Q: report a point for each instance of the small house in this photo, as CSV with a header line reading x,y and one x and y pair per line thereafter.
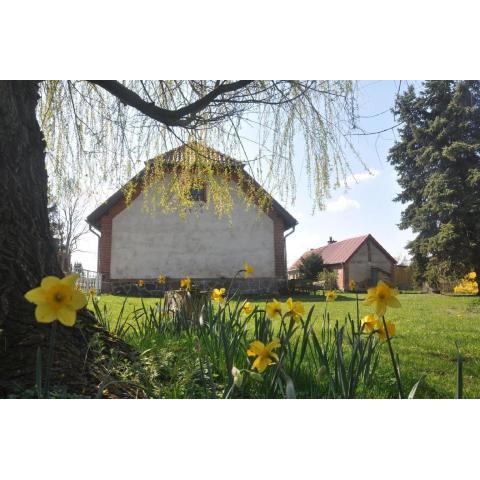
x,y
361,259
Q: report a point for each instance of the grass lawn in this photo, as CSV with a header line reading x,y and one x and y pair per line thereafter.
x,y
428,326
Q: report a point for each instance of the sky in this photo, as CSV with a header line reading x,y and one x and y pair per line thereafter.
x,y
367,206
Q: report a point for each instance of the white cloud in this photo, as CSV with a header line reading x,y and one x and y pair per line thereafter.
x,y
361,177
341,204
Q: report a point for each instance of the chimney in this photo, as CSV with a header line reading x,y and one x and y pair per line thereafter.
x,y
331,240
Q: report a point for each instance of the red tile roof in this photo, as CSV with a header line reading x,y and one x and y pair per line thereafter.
x,y
338,252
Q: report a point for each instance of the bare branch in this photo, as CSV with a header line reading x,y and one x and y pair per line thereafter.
x,y
171,118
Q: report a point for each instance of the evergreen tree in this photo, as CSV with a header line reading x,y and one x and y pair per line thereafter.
x,y
311,266
438,163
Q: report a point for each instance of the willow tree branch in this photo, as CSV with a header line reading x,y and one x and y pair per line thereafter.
x,y
172,118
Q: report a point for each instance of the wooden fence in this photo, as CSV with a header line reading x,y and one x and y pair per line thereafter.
x,y
402,277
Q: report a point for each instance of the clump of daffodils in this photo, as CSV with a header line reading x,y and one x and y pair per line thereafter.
x,y
186,283
371,324
247,309
295,309
217,295
57,299
274,309
468,284
382,333
247,270
331,296
264,353
381,297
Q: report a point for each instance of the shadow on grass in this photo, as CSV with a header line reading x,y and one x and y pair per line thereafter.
x,y
301,298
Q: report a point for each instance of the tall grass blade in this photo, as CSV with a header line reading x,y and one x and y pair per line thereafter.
x,y
459,392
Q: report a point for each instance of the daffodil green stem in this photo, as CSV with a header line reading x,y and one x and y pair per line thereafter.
x,y
231,282
358,311
38,374
51,349
394,363
230,391
324,320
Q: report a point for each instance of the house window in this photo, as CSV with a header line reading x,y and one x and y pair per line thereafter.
x,y
198,194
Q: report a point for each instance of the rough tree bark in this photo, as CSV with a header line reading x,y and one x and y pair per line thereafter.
x,y
27,254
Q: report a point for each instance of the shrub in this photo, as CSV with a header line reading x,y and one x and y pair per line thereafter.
x,y
468,285
329,279
311,266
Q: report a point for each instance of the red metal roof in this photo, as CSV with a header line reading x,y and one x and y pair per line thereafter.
x,y
338,252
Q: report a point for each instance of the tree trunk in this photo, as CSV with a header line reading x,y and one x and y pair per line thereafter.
x,y
27,254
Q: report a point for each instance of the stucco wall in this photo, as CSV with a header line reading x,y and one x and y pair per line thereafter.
x,y
145,245
359,267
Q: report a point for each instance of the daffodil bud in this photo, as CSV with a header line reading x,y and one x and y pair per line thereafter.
x,y
256,376
237,377
322,371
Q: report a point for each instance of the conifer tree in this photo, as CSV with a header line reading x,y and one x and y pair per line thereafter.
x,y
438,163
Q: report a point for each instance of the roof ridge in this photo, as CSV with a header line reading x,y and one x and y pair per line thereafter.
x,y
94,217
336,252
344,240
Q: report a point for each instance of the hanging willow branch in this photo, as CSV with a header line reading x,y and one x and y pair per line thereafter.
x,y
102,132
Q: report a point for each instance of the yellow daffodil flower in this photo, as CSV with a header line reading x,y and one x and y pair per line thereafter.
x,y
331,296
57,300
382,296
264,354
186,283
248,270
141,283
295,309
247,308
274,309
369,323
217,295
472,276
92,292
162,279
352,284
381,329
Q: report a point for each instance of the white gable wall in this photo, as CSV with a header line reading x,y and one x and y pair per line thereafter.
x,y
145,245
359,267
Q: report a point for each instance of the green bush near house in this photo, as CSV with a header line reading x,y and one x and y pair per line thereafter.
x,y
310,266
328,279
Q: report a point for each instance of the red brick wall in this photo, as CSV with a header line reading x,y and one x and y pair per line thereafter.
x,y
105,244
340,277
279,245
345,278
